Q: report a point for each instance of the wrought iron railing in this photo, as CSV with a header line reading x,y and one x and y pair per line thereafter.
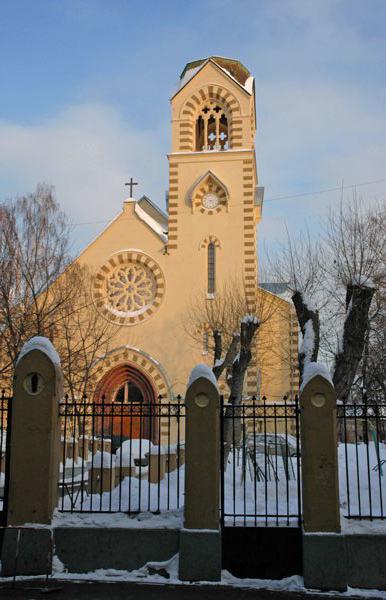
x,y
362,459
260,463
118,457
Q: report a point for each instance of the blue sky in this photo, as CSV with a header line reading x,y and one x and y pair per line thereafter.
x,y
85,88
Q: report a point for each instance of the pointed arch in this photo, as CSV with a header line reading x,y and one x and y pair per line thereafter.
x,y
208,240
139,359
208,183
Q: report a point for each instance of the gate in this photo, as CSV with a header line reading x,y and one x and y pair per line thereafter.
x,y
261,489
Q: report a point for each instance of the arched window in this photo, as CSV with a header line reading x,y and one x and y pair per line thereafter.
x,y
212,128
211,268
128,393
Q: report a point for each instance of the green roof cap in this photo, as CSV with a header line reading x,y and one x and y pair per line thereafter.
x,y
235,67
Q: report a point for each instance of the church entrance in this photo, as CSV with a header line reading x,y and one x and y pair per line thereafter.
x,y
129,400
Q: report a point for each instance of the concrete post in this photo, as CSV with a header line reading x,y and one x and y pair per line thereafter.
x,y
34,457
200,542
323,555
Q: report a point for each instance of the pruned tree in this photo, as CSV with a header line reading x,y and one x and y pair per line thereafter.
x,y
231,320
298,264
356,242
333,282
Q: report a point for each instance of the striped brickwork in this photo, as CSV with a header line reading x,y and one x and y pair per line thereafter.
x,y
100,286
191,108
140,361
173,206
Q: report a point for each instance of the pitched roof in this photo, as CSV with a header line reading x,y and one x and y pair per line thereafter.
x,y
230,67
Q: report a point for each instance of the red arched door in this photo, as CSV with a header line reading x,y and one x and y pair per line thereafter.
x,y
130,398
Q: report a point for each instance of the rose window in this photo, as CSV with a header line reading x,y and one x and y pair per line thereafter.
x,y
128,288
131,289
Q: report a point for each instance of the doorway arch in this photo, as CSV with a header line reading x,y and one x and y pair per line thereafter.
x,y
130,397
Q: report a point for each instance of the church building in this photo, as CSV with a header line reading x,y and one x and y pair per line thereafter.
x,y
149,264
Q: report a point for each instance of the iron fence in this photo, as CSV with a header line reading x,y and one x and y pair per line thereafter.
x,y
260,480
121,457
362,459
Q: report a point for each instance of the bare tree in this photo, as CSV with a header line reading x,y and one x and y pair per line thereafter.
x,y
34,251
231,322
356,242
298,264
81,334
333,282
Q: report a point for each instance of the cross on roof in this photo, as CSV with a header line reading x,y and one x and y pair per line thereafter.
x,y
131,184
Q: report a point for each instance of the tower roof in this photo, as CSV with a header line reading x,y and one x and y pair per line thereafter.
x,y
234,67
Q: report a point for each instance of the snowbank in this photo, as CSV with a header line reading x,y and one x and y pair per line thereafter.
x,y
202,370
44,345
131,450
103,460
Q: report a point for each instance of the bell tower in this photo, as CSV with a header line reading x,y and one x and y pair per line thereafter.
x,y
214,203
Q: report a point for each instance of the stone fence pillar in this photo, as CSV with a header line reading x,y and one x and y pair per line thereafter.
x,y
200,542
323,546
34,458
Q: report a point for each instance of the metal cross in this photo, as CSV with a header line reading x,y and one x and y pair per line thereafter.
x,y
131,184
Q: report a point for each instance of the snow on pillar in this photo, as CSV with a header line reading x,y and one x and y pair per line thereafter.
x,y
200,541
320,486
35,434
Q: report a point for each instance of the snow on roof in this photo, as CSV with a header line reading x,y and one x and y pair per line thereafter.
x,y
149,207
275,287
44,345
311,370
204,371
152,223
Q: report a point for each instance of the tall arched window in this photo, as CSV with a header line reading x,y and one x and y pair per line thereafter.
x,y
211,268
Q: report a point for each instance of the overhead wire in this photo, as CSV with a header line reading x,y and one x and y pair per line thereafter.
x,y
275,198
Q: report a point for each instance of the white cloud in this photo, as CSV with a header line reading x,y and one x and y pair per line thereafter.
x,y
87,152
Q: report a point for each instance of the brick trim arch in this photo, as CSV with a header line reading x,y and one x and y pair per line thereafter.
x,y
189,111
100,284
209,239
138,360
208,183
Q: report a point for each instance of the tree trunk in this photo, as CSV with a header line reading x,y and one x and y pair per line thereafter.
x,y
358,301
309,324
235,380
220,365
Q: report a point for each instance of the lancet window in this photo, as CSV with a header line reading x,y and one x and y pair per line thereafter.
x,y
212,128
211,268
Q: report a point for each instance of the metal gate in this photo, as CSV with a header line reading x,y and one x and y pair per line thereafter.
x,y
261,489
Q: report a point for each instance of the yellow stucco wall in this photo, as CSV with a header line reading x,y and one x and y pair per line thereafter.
x,y
160,344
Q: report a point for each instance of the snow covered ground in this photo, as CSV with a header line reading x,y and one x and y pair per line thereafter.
x,y
363,484
271,496
167,573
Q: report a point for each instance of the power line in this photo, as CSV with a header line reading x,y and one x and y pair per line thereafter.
x,y
326,190
289,197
